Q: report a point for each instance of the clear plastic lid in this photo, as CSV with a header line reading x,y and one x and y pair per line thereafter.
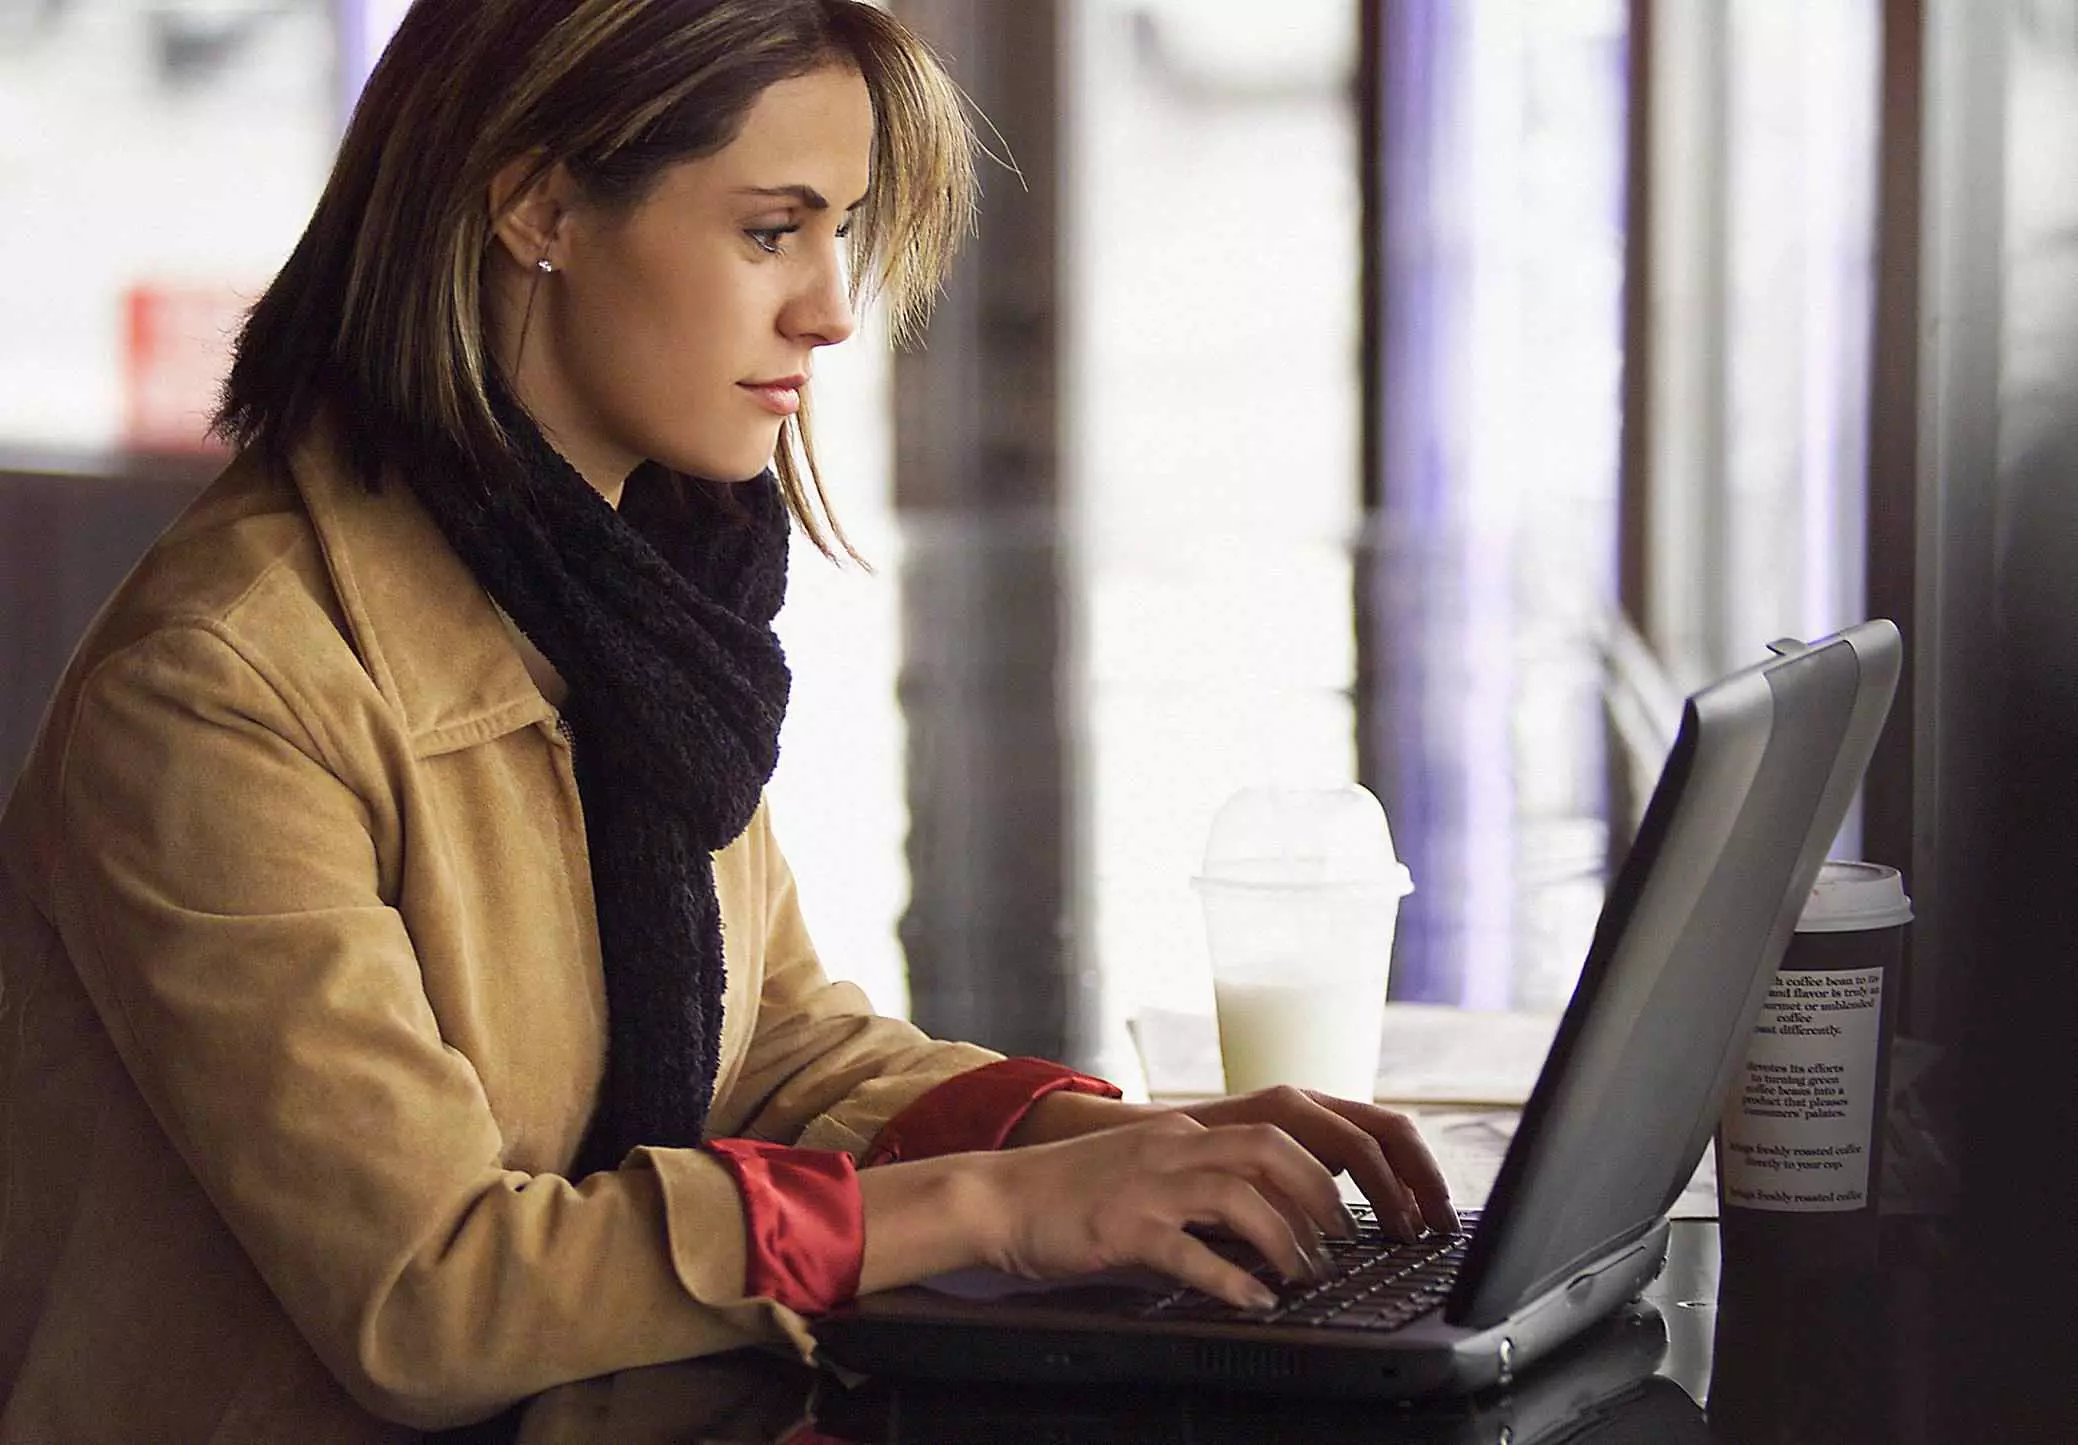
x,y
1303,837
1851,897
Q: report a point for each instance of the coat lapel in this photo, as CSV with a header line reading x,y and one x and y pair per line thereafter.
x,y
421,623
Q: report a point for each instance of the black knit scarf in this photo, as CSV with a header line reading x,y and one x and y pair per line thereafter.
x,y
659,617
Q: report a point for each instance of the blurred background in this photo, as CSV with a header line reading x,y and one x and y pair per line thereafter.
x,y
1422,391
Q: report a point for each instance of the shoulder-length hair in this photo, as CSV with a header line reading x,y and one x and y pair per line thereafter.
x,y
378,316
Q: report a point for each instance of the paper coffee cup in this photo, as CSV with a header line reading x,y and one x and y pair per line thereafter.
x,y
1801,1138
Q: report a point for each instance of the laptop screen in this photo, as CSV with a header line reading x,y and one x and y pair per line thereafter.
x,y
1755,789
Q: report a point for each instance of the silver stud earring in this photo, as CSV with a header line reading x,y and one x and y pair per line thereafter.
x,y
547,266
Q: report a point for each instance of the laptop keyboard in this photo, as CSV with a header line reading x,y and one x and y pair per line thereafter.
x,y
1374,1282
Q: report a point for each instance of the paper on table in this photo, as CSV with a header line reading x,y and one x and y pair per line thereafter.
x,y
1469,1143
1431,1054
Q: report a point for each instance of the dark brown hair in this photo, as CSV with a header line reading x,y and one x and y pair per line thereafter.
x,y
378,315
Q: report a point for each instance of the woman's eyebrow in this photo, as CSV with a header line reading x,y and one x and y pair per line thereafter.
x,y
808,196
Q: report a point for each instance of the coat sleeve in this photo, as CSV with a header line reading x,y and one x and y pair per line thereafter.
x,y
822,1070
217,884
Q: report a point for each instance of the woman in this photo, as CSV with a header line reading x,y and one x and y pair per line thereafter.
x,y
406,1008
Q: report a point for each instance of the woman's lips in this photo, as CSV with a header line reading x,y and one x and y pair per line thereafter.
x,y
781,397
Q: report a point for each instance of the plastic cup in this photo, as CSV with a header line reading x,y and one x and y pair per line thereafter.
x,y
1301,893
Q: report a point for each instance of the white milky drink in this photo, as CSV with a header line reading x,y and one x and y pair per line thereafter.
x,y
1320,1036
1301,892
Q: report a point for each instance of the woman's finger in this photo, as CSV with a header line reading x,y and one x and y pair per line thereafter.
x,y
1231,1204
1190,1261
1283,1167
1404,1154
1340,1145
1303,1227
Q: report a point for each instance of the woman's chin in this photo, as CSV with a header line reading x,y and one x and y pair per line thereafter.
x,y
721,474
726,467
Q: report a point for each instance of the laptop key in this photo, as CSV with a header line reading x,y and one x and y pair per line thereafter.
x,y
1191,1305
1389,1318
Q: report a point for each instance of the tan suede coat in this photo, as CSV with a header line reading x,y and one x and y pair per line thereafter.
x,y
301,1012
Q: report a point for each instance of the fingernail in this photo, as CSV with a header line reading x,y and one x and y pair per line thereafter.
x,y
1323,1266
1261,1298
1410,1223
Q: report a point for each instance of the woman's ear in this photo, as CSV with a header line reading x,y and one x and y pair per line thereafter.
x,y
527,208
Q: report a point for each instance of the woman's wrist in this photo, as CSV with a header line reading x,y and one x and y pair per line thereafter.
x,y
1070,1115
928,1217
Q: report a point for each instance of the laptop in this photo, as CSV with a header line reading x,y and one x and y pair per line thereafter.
x,y
1753,792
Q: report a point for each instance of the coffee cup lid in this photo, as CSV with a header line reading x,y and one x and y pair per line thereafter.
x,y
1854,897
1312,838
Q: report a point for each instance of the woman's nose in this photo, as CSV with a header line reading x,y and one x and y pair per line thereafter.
x,y
822,314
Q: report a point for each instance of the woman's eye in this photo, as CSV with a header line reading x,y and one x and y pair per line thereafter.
x,y
770,238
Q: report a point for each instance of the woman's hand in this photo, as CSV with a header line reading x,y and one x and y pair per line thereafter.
x,y
1379,1148
1128,1196
1093,1184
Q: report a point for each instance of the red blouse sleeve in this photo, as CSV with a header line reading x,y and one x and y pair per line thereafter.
x,y
977,1109
805,1229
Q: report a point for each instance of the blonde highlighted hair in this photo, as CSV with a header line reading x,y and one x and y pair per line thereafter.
x,y
378,315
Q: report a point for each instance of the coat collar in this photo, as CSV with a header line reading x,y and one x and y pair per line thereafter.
x,y
422,625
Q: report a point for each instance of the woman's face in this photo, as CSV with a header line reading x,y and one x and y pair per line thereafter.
x,y
684,331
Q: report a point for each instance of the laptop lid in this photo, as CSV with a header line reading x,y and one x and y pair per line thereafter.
x,y
1752,795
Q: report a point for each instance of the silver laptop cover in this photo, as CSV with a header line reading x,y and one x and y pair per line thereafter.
x,y
1760,781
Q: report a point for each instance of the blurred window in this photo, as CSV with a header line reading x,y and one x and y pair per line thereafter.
x,y
1803,192
157,161
1762,208
1491,556
839,797
1211,242
2039,321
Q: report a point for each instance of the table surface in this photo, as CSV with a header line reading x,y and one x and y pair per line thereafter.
x,y
1814,1360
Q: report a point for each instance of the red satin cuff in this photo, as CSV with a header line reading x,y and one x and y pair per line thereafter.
x,y
804,1226
977,1109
